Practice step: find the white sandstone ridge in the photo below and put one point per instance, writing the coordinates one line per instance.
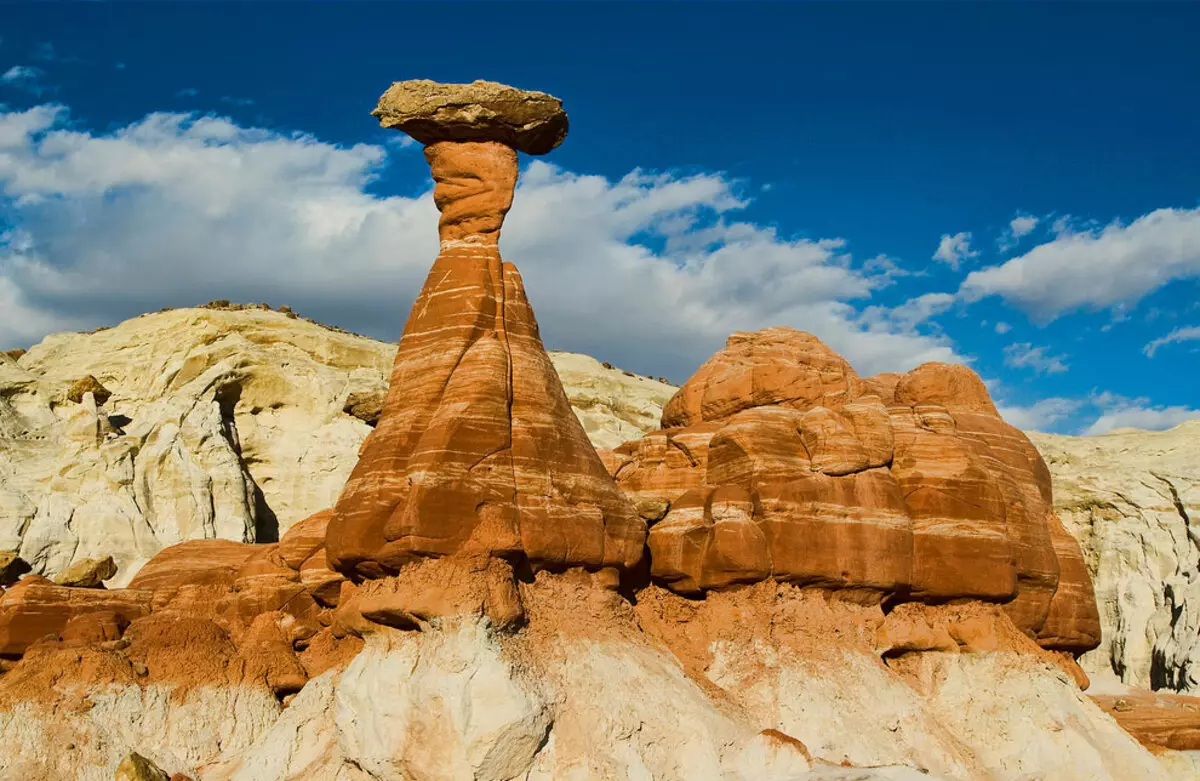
(1132, 499)
(222, 422)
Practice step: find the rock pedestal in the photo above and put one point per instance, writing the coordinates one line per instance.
(477, 451)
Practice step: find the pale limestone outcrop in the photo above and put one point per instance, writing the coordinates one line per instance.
(221, 423)
(1131, 498)
(614, 406)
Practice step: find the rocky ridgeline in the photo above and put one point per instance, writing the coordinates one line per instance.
(803, 574)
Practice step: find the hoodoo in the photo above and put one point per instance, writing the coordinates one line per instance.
(477, 451)
(805, 574)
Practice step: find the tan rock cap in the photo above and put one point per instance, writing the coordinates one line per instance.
(530, 122)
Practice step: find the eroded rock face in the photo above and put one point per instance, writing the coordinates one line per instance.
(477, 450)
(1131, 498)
(220, 423)
(779, 461)
(529, 122)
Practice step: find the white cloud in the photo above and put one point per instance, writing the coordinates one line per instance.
(953, 249)
(1041, 416)
(1023, 355)
(23, 77)
(1121, 412)
(1002, 328)
(1184, 334)
(1018, 227)
(1095, 268)
(1022, 225)
(175, 209)
(911, 313)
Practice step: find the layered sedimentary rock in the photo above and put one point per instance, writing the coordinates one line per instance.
(477, 450)
(778, 461)
(1131, 498)
(1157, 719)
(221, 422)
(230, 421)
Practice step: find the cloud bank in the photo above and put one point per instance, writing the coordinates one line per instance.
(649, 271)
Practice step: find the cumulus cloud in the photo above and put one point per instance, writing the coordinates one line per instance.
(954, 249)
(1023, 355)
(650, 271)
(1002, 328)
(1042, 416)
(1106, 267)
(1184, 334)
(1022, 225)
(1122, 412)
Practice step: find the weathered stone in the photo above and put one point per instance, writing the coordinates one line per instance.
(530, 122)
(87, 573)
(1132, 498)
(772, 367)
(35, 608)
(135, 767)
(88, 384)
(366, 406)
(477, 450)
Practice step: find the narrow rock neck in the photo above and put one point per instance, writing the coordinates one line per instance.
(474, 182)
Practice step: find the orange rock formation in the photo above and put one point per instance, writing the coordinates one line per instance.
(477, 451)
(778, 461)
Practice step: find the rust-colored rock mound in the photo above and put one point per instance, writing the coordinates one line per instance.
(776, 460)
(477, 450)
(200, 612)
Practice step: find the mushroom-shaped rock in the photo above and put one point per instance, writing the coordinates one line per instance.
(530, 122)
(476, 450)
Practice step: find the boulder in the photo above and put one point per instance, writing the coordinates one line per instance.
(87, 573)
(88, 384)
(135, 767)
(530, 122)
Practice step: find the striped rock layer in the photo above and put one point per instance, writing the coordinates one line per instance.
(778, 461)
(477, 451)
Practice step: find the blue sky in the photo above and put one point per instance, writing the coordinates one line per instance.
(1015, 186)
